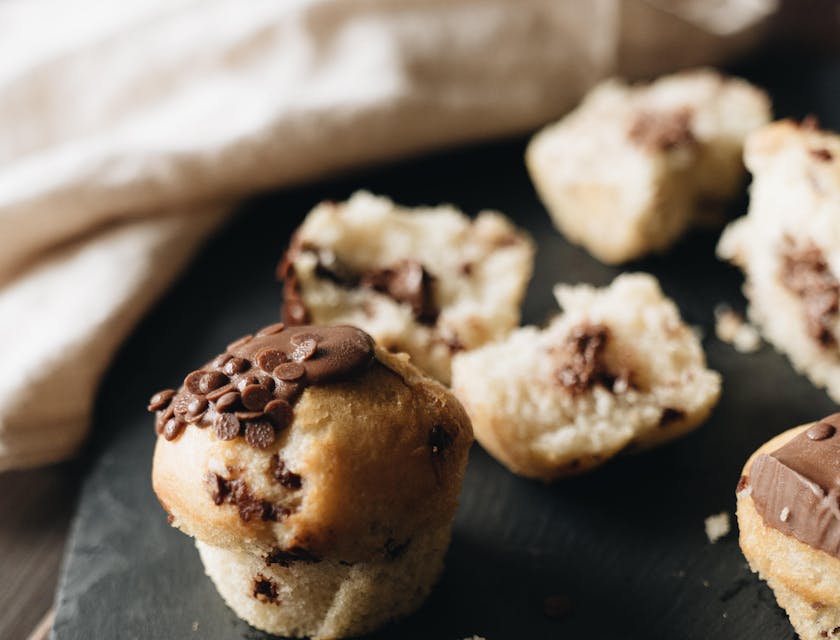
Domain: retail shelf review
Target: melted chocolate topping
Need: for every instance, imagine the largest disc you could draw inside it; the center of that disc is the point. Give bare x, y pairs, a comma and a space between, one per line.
250, 389
796, 488
406, 282
806, 273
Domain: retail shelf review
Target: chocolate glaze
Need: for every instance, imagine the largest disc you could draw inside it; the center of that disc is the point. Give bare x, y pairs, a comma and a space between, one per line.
796, 488
250, 389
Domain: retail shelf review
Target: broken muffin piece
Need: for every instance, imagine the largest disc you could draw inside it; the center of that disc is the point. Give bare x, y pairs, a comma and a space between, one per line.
788, 246
633, 167
428, 281
617, 370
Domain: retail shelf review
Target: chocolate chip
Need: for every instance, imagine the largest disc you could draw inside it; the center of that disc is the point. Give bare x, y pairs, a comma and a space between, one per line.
743, 482
196, 407
305, 350
173, 427
670, 416
662, 131
806, 272
284, 476
557, 606
193, 381
240, 342
279, 412
219, 361
821, 431
255, 397
211, 380
163, 418
236, 365
285, 557
439, 439
218, 393
181, 403
227, 402
823, 155
271, 329
226, 426
290, 371
406, 282
161, 399
299, 338
288, 390
217, 487
259, 434
268, 359
249, 415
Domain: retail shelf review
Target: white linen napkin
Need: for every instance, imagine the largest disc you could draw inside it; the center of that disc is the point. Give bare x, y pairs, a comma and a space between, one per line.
127, 129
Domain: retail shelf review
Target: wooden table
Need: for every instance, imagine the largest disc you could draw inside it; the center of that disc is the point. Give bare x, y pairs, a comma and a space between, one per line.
35, 511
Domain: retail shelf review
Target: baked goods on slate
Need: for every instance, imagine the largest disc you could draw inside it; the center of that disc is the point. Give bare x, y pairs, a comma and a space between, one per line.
788, 246
319, 474
789, 521
428, 281
633, 167
618, 370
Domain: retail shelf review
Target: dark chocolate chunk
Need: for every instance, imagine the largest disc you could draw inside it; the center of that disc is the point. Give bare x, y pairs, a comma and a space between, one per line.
283, 475
161, 399
409, 283
226, 426
663, 131
255, 397
265, 590
580, 355
806, 273
259, 433
217, 487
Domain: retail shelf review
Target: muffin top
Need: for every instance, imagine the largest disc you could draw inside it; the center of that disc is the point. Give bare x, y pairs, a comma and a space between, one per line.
308, 442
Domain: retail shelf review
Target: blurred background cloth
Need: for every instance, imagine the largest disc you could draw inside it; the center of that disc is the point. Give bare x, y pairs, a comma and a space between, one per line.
128, 130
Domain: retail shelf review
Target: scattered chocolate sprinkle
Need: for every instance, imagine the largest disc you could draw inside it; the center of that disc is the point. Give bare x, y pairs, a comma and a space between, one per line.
285, 557
670, 416
821, 431
260, 434
173, 427
663, 131
290, 371
226, 426
279, 412
271, 329
255, 397
823, 155
161, 399
228, 402
243, 400
439, 439
284, 476
806, 273
557, 606
265, 590
269, 359
580, 356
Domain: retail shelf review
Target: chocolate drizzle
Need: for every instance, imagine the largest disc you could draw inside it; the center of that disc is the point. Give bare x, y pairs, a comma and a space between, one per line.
796, 489
249, 391
406, 282
806, 273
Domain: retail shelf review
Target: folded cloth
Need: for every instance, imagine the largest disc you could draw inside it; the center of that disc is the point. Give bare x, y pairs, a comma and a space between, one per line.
114, 115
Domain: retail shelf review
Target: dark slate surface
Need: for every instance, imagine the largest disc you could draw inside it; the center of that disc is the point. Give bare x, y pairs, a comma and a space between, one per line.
625, 543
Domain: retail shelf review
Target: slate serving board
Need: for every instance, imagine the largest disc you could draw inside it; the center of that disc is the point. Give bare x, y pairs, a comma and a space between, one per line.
625, 544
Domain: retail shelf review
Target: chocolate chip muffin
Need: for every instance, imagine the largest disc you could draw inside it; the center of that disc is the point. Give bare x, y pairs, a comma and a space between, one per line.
788, 246
618, 371
633, 167
789, 524
429, 282
319, 475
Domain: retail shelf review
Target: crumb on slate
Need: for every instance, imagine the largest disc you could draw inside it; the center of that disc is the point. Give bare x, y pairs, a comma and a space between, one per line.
717, 526
730, 327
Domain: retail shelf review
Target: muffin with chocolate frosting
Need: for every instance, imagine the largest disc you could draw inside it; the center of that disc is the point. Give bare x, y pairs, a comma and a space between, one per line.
789, 521
617, 371
426, 281
319, 475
